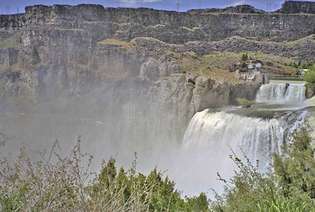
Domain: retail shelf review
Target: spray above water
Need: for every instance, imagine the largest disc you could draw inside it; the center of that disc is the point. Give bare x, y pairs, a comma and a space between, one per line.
223, 132
212, 137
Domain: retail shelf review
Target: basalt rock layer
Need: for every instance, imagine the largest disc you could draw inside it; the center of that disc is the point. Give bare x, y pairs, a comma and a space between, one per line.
168, 26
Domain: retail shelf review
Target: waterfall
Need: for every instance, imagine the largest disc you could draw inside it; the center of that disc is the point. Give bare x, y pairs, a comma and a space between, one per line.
211, 137
223, 132
281, 93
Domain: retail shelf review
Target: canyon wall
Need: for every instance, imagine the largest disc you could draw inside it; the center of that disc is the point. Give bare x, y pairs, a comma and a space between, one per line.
168, 26
124, 65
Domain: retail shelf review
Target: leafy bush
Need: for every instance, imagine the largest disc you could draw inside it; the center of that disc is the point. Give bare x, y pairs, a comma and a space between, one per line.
290, 187
245, 102
139, 192
310, 75
244, 57
64, 185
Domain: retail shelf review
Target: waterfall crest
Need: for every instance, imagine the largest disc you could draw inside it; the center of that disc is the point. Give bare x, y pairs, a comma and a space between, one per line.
281, 93
223, 132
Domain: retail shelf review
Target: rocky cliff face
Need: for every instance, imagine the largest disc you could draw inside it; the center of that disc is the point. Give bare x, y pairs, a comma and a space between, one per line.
298, 7
171, 27
125, 65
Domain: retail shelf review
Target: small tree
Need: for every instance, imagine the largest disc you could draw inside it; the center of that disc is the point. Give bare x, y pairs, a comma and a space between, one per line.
244, 57
290, 187
310, 75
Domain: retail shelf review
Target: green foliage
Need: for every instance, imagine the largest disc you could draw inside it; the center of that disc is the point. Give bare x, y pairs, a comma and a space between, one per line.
199, 203
310, 89
28, 186
310, 75
296, 174
245, 102
244, 57
295, 64
10, 42
291, 187
115, 42
155, 192
306, 65
282, 205
300, 65
63, 186
13, 201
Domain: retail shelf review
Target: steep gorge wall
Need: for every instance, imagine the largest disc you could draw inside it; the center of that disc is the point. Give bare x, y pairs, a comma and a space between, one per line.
168, 26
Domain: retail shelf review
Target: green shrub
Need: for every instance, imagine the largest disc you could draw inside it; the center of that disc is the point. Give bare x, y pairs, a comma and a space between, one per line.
310, 75
244, 57
310, 90
245, 102
64, 185
290, 188
306, 65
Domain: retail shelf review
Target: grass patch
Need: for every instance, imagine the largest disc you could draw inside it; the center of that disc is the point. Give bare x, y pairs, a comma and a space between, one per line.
216, 65
115, 42
11, 42
245, 102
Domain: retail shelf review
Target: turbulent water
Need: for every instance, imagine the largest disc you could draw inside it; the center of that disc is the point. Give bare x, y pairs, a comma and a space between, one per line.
212, 137
281, 93
224, 132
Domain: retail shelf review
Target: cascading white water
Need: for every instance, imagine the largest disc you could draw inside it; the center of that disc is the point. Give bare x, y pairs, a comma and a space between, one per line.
281, 93
212, 137
258, 139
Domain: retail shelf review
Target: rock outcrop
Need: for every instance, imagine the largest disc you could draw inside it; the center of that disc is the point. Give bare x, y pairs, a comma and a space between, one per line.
298, 7
236, 9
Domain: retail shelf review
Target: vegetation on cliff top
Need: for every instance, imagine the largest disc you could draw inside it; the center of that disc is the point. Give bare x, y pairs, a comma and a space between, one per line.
115, 42
217, 64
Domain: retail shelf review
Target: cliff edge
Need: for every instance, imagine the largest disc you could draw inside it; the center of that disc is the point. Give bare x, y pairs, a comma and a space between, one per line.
170, 26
